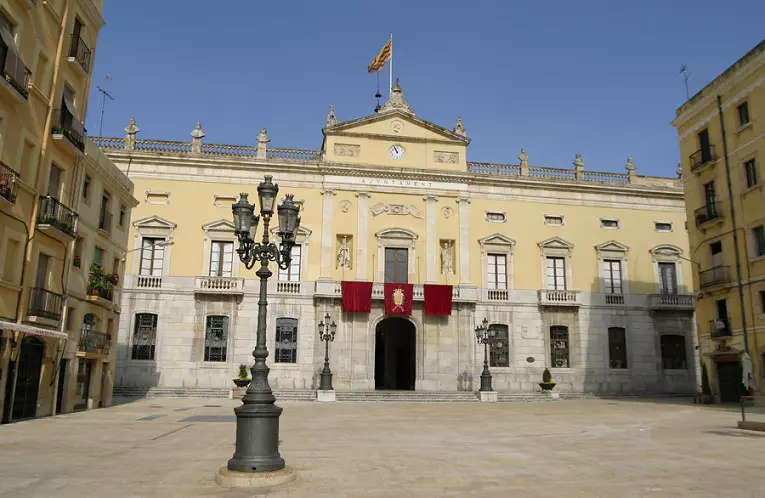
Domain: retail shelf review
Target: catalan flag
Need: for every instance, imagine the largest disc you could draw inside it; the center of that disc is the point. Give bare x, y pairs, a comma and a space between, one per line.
381, 59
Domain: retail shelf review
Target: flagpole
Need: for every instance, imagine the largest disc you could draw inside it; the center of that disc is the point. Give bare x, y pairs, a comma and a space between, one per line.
390, 66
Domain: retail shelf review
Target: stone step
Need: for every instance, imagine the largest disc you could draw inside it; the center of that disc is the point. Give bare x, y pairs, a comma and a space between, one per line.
169, 392
407, 396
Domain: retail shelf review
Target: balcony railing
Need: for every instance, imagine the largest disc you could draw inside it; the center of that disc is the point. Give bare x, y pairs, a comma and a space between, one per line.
148, 282
105, 291
95, 342
720, 328
80, 52
702, 157
288, 287
67, 125
8, 179
217, 285
551, 297
707, 213
105, 221
44, 304
672, 301
55, 214
497, 294
14, 71
717, 275
614, 299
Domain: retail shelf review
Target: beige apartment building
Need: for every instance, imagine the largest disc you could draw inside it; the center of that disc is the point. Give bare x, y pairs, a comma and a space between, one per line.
581, 271
721, 131
63, 207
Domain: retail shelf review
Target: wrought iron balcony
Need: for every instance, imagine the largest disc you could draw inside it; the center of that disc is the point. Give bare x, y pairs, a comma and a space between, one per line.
55, 214
80, 52
44, 304
68, 126
105, 220
552, 297
710, 212
8, 178
14, 71
218, 285
702, 157
672, 302
717, 275
720, 328
95, 342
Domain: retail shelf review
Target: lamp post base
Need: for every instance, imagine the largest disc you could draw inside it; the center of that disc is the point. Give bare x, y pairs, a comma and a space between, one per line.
257, 439
487, 396
327, 395
257, 480
325, 382
485, 382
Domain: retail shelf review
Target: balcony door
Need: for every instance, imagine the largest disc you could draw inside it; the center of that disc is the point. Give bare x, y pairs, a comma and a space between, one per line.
710, 195
668, 278
41, 277
706, 153
715, 250
221, 259
54, 181
396, 265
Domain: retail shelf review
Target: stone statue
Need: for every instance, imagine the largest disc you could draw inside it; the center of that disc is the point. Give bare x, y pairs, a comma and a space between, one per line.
344, 255
523, 157
459, 128
131, 130
331, 118
579, 162
447, 265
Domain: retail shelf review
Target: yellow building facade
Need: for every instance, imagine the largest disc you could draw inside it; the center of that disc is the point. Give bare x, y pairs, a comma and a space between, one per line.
57, 196
575, 270
720, 130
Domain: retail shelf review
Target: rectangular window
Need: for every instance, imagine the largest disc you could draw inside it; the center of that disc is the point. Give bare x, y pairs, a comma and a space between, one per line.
617, 347
28, 160
668, 278
292, 273
612, 276
152, 257
553, 220
661, 226
396, 265
496, 267
609, 223
69, 319
86, 184
704, 146
758, 234
216, 338
750, 170
54, 181
495, 216
743, 114
559, 352
673, 352
123, 215
144, 336
762, 302
556, 273
286, 340
499, 350
98, 257
716, 255
221, 258
721, 309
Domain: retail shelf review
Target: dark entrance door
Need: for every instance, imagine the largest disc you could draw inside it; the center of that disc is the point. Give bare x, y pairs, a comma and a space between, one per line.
729, 374
61, 385
83, 384
394, 354
28, 378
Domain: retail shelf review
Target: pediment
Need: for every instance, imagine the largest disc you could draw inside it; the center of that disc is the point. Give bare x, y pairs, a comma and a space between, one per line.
154, 222
556, 243
613, 246
396, 124
219, 226
666, 250
301, 231
397, 233
497, 239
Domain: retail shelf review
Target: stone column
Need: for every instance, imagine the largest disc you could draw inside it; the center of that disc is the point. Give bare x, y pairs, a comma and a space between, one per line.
362, 244
464, 213
431, 241
325, 272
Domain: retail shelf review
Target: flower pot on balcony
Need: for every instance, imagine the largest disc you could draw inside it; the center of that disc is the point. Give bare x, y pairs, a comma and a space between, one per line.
94, 292
242, 382
547, 386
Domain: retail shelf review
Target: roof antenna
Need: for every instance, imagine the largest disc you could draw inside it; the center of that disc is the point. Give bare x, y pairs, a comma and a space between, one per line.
686, 75
104, 94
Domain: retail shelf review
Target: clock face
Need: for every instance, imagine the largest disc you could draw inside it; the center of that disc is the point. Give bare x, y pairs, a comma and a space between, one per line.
397, 152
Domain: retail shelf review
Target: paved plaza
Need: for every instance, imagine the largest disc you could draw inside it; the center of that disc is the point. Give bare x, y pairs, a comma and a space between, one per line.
173, 447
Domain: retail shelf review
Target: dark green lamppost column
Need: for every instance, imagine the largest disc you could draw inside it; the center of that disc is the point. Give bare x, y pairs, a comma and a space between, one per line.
485, 335
326, 334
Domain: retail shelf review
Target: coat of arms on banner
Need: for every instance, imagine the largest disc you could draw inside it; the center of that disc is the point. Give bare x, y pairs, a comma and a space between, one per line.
399, 299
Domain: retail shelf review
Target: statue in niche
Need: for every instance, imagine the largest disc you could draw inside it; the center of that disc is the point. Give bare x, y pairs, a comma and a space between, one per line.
447, 264
344, 254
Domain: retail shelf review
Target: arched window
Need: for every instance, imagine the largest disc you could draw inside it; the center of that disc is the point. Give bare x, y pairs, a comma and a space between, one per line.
559, 347
673, 355
499, 351
617, 347
144, 336
286, 340
216, 338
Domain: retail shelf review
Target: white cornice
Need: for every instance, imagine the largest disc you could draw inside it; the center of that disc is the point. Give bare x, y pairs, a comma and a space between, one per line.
90, 10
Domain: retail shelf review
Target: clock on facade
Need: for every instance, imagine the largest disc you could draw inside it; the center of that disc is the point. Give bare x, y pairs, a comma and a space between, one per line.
397, 152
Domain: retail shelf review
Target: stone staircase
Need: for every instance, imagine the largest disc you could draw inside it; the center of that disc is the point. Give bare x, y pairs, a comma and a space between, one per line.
408, 396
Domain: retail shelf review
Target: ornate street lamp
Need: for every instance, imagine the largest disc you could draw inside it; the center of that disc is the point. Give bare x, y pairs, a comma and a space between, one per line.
257, 420
326, 334
485, 336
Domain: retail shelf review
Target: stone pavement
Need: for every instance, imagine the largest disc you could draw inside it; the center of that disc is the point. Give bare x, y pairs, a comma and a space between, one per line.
588, 448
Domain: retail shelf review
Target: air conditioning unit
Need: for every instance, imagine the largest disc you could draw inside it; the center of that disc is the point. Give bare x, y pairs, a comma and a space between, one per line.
720, 324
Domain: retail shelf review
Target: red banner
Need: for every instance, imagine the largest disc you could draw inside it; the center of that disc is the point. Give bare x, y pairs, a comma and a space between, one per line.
398, 299
357, 296
438, 299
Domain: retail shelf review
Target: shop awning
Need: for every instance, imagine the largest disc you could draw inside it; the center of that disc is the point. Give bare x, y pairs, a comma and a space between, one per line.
29, 329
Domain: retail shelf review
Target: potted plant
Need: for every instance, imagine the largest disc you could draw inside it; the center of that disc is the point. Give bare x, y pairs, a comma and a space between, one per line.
547, 384
95, 279
243, 379
706, 390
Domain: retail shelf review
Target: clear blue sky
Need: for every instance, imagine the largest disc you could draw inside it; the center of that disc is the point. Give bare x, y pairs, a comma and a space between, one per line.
557, 77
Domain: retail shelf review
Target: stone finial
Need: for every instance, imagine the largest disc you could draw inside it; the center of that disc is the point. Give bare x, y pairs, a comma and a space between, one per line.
331, 118
679, 170
396, 101
459, 128
579, 166
631, 170
262, 141
131, 129
196, 138
523, 157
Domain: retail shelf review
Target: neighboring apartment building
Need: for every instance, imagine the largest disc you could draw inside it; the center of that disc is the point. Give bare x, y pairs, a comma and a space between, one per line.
49, 234
721, 131
576, 270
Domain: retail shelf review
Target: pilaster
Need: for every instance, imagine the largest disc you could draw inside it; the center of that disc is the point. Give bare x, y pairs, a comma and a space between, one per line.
431, 241
325, 272
361, 235
464, 214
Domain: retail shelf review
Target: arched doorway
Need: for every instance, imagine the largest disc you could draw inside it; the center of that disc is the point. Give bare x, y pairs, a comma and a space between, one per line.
28, 378
395, 354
